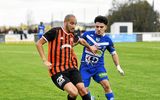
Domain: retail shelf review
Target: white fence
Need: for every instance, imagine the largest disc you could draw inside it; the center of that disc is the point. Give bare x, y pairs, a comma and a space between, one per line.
154, 36
17, 38
146, 36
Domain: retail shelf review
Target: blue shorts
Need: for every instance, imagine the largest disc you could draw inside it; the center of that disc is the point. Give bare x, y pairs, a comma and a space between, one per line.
98, 73
40, 35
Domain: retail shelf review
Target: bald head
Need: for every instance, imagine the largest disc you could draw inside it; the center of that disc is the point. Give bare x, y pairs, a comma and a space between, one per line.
67, 17
70, 22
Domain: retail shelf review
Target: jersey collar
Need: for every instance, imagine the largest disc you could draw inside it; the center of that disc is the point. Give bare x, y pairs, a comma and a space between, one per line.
100, 35
65, 31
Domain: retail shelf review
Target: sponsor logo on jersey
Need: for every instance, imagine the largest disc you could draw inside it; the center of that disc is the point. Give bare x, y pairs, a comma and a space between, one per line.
66, 45
61, 38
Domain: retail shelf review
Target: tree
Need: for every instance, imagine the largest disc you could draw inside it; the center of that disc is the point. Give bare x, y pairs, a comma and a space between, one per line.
140, 12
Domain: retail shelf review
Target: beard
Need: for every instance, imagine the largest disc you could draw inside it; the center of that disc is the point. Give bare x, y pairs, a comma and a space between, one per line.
69, 29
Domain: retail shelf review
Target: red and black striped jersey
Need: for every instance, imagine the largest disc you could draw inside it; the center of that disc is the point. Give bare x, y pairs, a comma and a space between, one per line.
60, 50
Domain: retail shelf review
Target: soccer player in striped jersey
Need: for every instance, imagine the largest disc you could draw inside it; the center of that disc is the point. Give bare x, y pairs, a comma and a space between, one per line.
62, 61
92, 65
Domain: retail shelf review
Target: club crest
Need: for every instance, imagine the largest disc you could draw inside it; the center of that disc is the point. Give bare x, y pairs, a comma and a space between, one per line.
97, 39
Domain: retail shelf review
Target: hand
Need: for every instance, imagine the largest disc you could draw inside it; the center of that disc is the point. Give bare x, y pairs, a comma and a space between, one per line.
47, 63
93, 49
120, 70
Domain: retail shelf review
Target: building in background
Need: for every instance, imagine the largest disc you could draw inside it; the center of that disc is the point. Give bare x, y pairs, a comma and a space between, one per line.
122, 27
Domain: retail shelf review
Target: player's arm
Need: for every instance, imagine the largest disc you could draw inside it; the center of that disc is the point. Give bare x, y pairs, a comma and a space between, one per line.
116, 62
83, 42
41, 52
115, 57
48, 36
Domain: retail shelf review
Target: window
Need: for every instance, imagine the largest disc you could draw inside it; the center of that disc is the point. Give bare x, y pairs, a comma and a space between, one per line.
123, 29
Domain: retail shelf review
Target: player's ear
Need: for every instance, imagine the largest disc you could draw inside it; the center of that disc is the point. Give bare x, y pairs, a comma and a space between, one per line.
106, 27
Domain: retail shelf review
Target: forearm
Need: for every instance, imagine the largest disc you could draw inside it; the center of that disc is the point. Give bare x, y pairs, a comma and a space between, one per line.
84, 43
74, 44
116, 62
93, 48
115, 59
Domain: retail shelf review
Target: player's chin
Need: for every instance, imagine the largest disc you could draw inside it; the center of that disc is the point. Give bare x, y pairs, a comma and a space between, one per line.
72, 31
98, 33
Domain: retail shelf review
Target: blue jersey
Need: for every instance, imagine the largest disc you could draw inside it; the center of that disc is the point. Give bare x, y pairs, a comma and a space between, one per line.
102, 42
41, 29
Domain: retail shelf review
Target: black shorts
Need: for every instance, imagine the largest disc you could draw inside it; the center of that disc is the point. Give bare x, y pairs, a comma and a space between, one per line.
62, 78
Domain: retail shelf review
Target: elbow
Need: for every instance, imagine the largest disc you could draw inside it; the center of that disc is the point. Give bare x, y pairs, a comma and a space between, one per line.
82, 41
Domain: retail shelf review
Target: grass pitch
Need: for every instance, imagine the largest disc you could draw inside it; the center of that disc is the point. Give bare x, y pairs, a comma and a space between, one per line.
24, 77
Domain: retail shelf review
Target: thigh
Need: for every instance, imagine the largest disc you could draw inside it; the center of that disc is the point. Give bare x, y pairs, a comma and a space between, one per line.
60, 80
100, 75
71, 89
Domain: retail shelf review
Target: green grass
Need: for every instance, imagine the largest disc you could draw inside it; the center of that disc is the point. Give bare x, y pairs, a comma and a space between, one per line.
24, 77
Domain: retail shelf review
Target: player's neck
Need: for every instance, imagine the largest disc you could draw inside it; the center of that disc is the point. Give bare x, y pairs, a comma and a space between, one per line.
65, 30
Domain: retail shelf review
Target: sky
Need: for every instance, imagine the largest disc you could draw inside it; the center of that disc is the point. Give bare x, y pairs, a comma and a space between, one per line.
16, 12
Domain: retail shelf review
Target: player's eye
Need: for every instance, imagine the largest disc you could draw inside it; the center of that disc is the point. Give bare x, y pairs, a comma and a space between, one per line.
99, 26
73, 23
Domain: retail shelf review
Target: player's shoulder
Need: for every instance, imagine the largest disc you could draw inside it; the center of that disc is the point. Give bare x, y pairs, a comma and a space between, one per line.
88, 32
107, 37
55, 29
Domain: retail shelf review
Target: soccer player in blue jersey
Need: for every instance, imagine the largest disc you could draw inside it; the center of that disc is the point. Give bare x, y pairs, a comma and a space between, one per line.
92, 65
41, 30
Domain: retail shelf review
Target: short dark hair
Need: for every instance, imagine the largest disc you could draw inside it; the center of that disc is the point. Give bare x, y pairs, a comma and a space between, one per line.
101, 19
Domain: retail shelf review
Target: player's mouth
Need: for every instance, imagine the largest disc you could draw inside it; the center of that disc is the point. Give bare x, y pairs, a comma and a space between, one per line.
72, 30
98, 32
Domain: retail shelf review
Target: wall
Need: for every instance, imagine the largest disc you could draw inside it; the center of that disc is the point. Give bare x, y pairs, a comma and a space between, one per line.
123, 37
154, 36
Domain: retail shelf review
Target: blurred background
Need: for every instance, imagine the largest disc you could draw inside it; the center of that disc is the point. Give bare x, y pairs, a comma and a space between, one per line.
26, 15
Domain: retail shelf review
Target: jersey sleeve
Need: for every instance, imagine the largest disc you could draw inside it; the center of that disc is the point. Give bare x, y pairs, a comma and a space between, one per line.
50, 35
111, 47
83, 35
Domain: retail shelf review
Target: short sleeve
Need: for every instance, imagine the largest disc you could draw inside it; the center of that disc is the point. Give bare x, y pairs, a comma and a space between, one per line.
110, 47
50, 35
84, 35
